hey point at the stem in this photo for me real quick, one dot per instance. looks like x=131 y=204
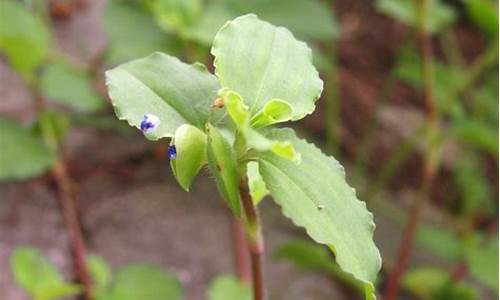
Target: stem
x=240 y=248
x=67 y=202
x=69 y=211
x=430 y=164
x=254 y=239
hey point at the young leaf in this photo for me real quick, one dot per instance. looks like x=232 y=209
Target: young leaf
x=483 y=263
x=23 y=153
x=315 y=195
x=160 y=84
x=66 y=85
x=140 y=28
x=35 y=274
x=262 y=62
x=176 y=15
x=190 y=144
x=484 y=13
x=100 y=271
x=145 y=283
x=256 y=184
x=24 y=38
x=275 y=111
x=222 y=163
x=228 y=288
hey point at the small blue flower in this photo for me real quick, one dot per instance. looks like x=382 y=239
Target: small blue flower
x=172 y=152
x=149 y=123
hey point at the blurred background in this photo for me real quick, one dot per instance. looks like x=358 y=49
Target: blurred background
x=410 y=108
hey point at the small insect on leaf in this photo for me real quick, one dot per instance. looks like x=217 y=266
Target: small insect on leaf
x=149 y=123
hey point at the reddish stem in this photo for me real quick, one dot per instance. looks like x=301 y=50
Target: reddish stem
x=69 y=211
x=254 y=240
x=242 y=260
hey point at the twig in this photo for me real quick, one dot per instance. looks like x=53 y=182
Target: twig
x=254 y=240
x=70 y=216
x=430 y=164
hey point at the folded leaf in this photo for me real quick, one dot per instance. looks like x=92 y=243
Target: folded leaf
x=256 y=184
x=316 y=196
x=275 y=111
x=159 y=84
x=222 y=163
x=190 y=144
x=262 y=62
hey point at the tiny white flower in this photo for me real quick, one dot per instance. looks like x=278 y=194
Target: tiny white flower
x=149 y=123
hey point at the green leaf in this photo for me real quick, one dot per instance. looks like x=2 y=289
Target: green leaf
x=483 y=263
x=159 y=84
x=23 y=153
x=261 y=143
x=222 y=163
x=145 y=283
x=100 y=271
x=238 y=112
x=275 y=111
x=440 y=241
x=53 y=126
x=58 y=291
x=477 y=133
x=262 y=62
x=228 y=288
x=440 y=14
x=315 y=195
x=310 y=256
x=425 y=281
x=35 y=274
x=176 y=15
x=62 y=83
x=138 y=36
x=24 y=38
x=484 y=13
x=256 y=184
x=190 y=144
x=308 y=19
x=236 y=109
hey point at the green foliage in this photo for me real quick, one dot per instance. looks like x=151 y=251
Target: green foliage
x=143 y=282
x=271 y=65
x=266 y=77
x=484 y=13
x=435 y=284
x=256 y=184
x=24 y=38
x=228 y=288
x=223 y=165
x=176 y=92
x=138 y=36
x=176 y=15
x=62 y=83
x=440 y=15
x=483 y=263
x=472 y=181
x=100 y=273
x=315 y=195
x=23 y=152
x=440 y=241
x=190 y=143
x=38 y=277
